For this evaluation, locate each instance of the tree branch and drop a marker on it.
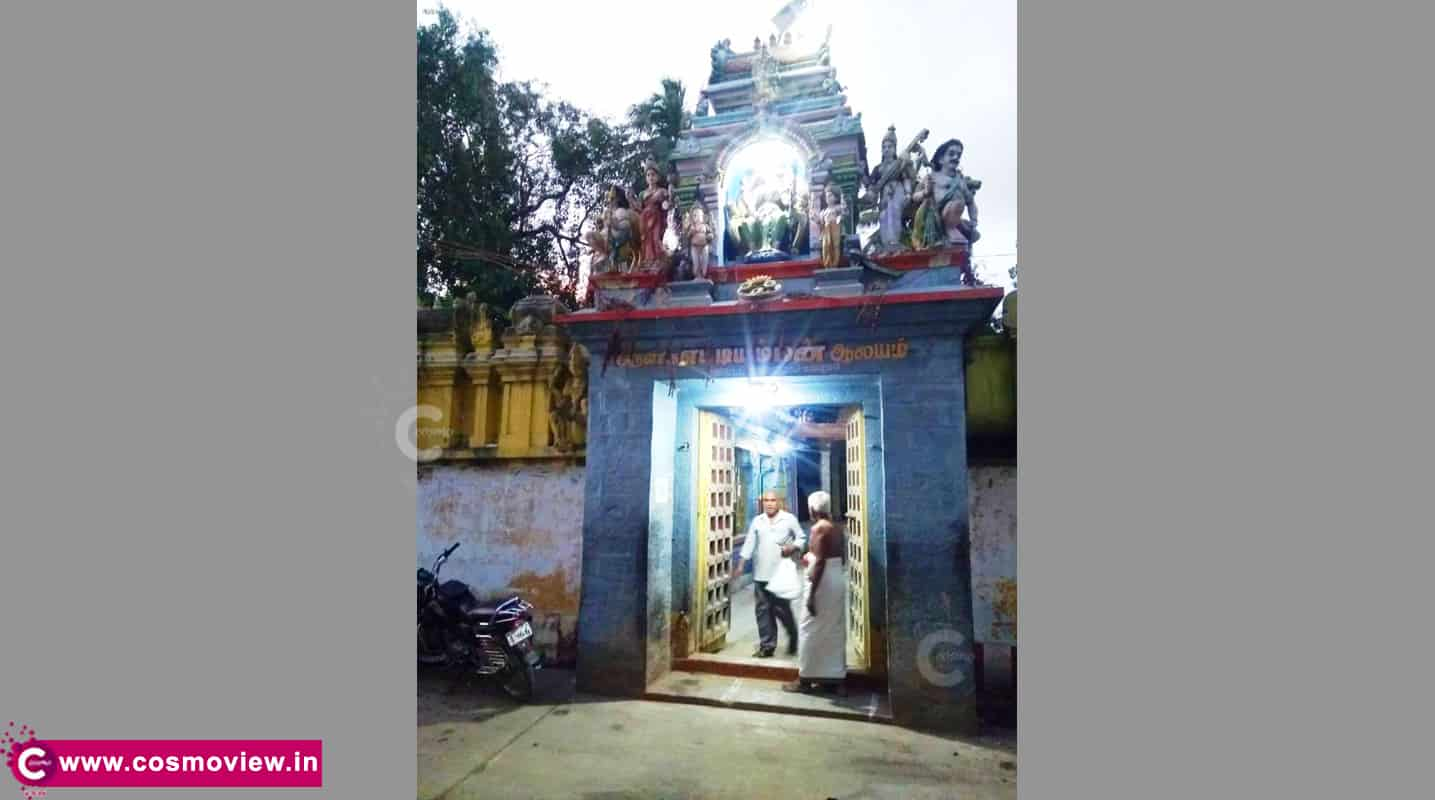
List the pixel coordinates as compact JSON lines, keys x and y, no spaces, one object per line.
{"x":551,"y":229}
{"x":558,"y":196}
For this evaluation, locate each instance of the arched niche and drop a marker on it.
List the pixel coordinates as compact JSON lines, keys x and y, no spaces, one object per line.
{"x":763,"y":188}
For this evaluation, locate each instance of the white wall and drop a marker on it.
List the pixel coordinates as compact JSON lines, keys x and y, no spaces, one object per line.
{"x":992,"y":516}
{"x":520,"y":527}
{"x":520,"y":524}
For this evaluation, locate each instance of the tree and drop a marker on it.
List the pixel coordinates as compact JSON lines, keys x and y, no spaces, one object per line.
{"x":465,"y":182}
{"x":565,"y":159}
{"x":657,"y":122}
{"x":508,"y":179}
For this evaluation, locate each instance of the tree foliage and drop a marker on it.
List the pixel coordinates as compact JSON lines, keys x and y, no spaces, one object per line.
{"x":656,"y":123}
{"x":509,"y":178}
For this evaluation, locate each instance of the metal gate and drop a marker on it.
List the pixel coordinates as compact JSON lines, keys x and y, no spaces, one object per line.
{"x":717,"y":497}
{"x":858,"y":624}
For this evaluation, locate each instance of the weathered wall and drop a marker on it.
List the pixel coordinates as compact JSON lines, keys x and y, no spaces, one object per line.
{"x":928,"y":538}
{"x":527,"y":518}
{"x":520,"y":525}
{"x":512,"y":489}
{"x":918,"y":561}
{"x":615,"y":610}
{"x":992,"y":512}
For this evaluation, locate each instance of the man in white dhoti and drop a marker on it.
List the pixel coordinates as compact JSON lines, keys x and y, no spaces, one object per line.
{"x":822,"y":628}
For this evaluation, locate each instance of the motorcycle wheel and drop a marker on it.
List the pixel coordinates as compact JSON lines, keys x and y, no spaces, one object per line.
{"x":518,"y":683}
{"x":426,"y":653}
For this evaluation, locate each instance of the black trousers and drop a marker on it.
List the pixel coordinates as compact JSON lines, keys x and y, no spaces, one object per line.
{"x":769,"y":606}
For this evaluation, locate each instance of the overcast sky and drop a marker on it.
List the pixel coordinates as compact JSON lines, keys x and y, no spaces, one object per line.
{"x":945,"y":65}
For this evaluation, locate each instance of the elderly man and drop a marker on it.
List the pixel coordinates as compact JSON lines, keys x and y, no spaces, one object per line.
{"x":773,"y":535}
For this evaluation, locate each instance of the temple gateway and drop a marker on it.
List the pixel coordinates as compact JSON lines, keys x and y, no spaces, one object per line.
{"x":773,"y":312}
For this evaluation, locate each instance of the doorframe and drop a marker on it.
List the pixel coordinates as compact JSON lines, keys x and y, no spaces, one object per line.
{"x":671,"y":565}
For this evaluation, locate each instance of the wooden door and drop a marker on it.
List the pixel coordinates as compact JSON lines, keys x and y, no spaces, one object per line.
{"x":714,"y":529}
{"x":858,"y":622}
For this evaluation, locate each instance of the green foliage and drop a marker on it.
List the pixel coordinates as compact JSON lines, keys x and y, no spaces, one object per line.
{"x":508,"y":179}
{"x":465,"y":182}
{"x":656,"y":124}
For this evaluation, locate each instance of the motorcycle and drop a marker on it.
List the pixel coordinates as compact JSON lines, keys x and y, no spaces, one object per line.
{"x":492,"y":638}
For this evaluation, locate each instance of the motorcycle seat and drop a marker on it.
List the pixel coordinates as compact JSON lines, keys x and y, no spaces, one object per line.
{"x":485,"y":607}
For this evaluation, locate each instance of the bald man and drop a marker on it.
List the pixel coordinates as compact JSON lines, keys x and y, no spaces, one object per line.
{"x":773,"y":535}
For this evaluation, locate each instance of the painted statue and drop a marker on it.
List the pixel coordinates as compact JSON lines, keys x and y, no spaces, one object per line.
{"x":742,"y":220}
{"x":577,"y":392}
{"x":830,"y":220}
{"x":721,"y":53}
{"x":558,"y":411}
{"x":699,"y":236}
{"x":767,"y":215}
{"x":892,"y":183}
{"x":654,"y":204}
{"x":946,"y":196}
{"x":615,"y":237}
{"x":568,"y":401}
{"x":764,"y":78}
{"x":481,"y":334}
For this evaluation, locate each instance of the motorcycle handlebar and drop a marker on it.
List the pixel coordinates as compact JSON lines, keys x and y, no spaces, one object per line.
{"x":442,"y":557}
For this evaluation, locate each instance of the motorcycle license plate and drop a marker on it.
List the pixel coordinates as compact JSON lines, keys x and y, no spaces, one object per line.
{"x":520,"y":633}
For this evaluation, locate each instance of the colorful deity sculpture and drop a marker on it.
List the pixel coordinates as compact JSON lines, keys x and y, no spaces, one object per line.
{"x":890,"y":188}
{"x":830,"y":220}
{"x":654,"y":203}
{"x":615,"y":238}
{"x":699,"y":236}
{"x":768,"y":216}
{"x":947,"y":214}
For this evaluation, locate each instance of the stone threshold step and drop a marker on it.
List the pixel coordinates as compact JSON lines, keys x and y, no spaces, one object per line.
{"x":758,"y":694}
{"x":764,"y":669}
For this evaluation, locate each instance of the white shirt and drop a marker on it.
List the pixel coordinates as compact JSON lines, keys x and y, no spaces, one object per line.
{"x":765,"y":536}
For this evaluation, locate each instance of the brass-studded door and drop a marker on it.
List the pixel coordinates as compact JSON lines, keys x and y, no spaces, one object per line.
{"x":858,"y":626}
{"x":717,"y":489}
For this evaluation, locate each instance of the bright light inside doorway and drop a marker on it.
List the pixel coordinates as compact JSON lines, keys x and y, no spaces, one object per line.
{"x":760,"y":396}
{"x":781,"y":446}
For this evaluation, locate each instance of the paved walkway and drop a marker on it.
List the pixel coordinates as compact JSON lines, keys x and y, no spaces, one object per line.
{"x":754,"y":694}
{"x":474,"y":743}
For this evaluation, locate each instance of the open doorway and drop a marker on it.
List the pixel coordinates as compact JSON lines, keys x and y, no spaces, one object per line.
{"x":793,"y":451}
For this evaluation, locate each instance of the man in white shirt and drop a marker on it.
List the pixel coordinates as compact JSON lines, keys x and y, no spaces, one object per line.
{"x":773,"y":535}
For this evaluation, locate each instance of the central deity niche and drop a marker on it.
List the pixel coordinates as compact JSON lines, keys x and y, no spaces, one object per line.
{"x":764,"y":203}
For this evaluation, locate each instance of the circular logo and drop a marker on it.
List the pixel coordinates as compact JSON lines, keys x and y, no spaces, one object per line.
{"x":409,"y":419}
{"x":940,"y":658}
{"x":34,"y":763}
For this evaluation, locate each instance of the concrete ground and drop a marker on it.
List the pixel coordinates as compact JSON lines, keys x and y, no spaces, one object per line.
{"x":758,"y":694}
{"x":475,"y":743}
